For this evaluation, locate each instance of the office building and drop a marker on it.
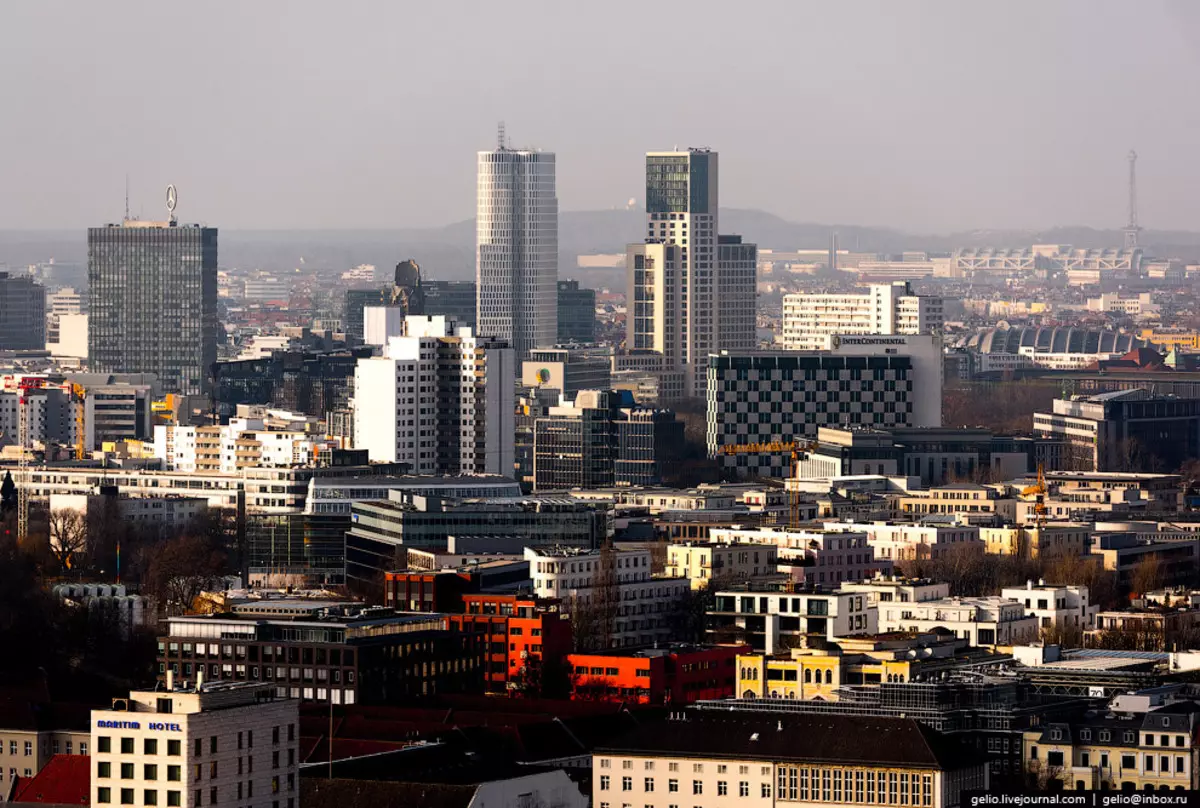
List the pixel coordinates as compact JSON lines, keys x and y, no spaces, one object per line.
{"x":763,"y":760}
{"x":568,"y":369}
{"x":597,"y":442}
{"x":453,"y":299}
{"x":1123,"y":431}
{"x":516,"y":258}
{"x":152,"y":292}
{"x":215,"y":744}
{"x":810,"y":320}
{"x":382,"y":530}
{"x":610,"y":594}
{"x":316,"y":382}
{"x":22,"y":314}
{"x":786,"y":397}
{"x":691,"y":291}
{"x":326,"y":651}
{"x":675,"y":674}
{"x":521,"y":638}
{"x":576,"y":313}
{"x":439,"y":399}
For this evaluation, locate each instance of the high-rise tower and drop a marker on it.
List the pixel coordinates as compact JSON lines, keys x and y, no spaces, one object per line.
{"x":516,"y":248}
{"x":1132,"y":229}
{"x":691,"y":291}
{"x":153,"y":301}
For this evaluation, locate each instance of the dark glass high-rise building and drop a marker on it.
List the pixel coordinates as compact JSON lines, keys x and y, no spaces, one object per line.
{"x":153,"y":302}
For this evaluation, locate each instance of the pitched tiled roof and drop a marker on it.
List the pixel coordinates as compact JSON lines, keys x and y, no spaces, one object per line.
{"x":64,"y":780}
{"x":835,"y":739}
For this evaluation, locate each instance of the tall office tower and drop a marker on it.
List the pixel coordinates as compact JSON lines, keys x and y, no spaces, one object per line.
{"x":576,"y":313}
{"x":22,"y":314}
{"x":516,"y":255}
{"x":455,"y":299}
{"x":152,"y":290}
{"x":439,"y":399}
{"x":692,"y":291}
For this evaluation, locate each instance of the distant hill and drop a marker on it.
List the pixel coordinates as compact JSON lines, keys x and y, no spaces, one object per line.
{"x":449,"y":252}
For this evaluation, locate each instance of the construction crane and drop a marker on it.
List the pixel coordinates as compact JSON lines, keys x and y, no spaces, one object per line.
{"x":80,"y":393}
{"x":791,"y":448}
{"x":1038,"y":492}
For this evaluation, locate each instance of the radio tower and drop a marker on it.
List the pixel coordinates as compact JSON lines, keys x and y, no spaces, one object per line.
{"x":1132,"y":229}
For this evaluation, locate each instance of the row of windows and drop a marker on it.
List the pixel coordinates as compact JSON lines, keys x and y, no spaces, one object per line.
{"x":648,"y":786}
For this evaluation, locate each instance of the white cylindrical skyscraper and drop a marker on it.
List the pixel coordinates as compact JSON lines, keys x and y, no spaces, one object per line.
{"x":516,"y":248}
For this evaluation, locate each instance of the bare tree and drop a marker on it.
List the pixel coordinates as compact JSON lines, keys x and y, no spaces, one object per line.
{"x":68,"y":537}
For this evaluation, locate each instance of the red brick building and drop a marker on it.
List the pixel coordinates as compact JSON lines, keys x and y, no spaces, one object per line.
{"x":678,"y":674}
{"x":523,"y":638}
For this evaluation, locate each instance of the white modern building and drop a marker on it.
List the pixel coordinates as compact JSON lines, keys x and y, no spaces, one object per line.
{"x":642,"y":604}
{"x":691,"y":291}
{"x":770,"y":621}
{"x":986,"y":621}
{"x":216,"y":744}
{"x":908,"y":541}
{"x":1058,"y":607}
{"x":439,"y":399}
{"x":809,"y":321}
{"x":516,"y":253}
{"x":894,"y":589}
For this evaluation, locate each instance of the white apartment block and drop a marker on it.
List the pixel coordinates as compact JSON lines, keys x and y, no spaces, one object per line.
{"x":893,"y":589}
{"x":907,"y":541}
{"x":1055,"y":606}
{"x":769,"y":621}
{"x":574,"y":576}
{"x":691,"y":291}
{"x":214,"y":745}
{"x":701,"y":563}
{"x":516,"y":252}
{"x":815,"y":557}
{"x":810,"y":321}
{"x":982,"y":621}
{"x":439,"y":399}
{"x":242,"y":443}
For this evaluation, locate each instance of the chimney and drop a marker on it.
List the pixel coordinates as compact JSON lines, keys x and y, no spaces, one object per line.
{"x":199,"y":678}
{"x":1041,"y":581}
{"x":170,"y":680}
{"x":1029,"y":583}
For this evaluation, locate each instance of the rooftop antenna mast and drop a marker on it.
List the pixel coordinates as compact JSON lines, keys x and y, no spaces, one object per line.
{"x":1132,"y":229}
{"x":501,"y":137}
{"x":127,"y":196}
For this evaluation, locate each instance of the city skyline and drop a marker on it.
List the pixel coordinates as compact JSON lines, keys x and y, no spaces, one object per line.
{"x":918,"y":119}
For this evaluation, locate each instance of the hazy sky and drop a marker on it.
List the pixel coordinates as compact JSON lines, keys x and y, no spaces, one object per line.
{"x":927,"y":116}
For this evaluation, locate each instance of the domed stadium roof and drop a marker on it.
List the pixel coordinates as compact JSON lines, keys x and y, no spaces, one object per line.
{"x":1064,"y":339}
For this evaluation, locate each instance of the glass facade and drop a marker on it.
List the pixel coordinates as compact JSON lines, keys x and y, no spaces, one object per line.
{"x":153,"y":302}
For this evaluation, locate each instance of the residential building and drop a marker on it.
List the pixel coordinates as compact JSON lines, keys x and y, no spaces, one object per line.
{"x":22,"y":313}
{"x":810,"y":321}
{"x":894,"y":589}
{"x":971,"y":499}
{"x":770,"y":759}
{"x":982,"y":621}
{"x":909,"y":541}
{"x":1128,"y":430}
{"x":608,"y":593}
{"x":691,"y":291}
{"x":195,"y":745}
{"x":576,"y":313}
{"x":516,"y":254}
{"x":152,"y":302}
{"x":326,"y":651}
{"x":439,"y":399}
{"x":568,"y":369}
{"x":674,"y":674}
{"x":1141,"y":743}
{"x":524,"y":641}
{"x":1037,"y":541}
{"x":455,"y":300}
{"x":34,"y":730}
{"x":64,"y":780}
{"x":1055,"y":607}
{"x":823,"y":558}
{"x":786,"y":397}
{"x":382,"y":529}
{"x":705,"y":562}
{"x":770,"y":621}
{"x":597,"y":442}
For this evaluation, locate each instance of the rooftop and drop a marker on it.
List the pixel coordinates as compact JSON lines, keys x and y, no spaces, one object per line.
{"x":64,"y":780}
{"x":836,"y":739}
